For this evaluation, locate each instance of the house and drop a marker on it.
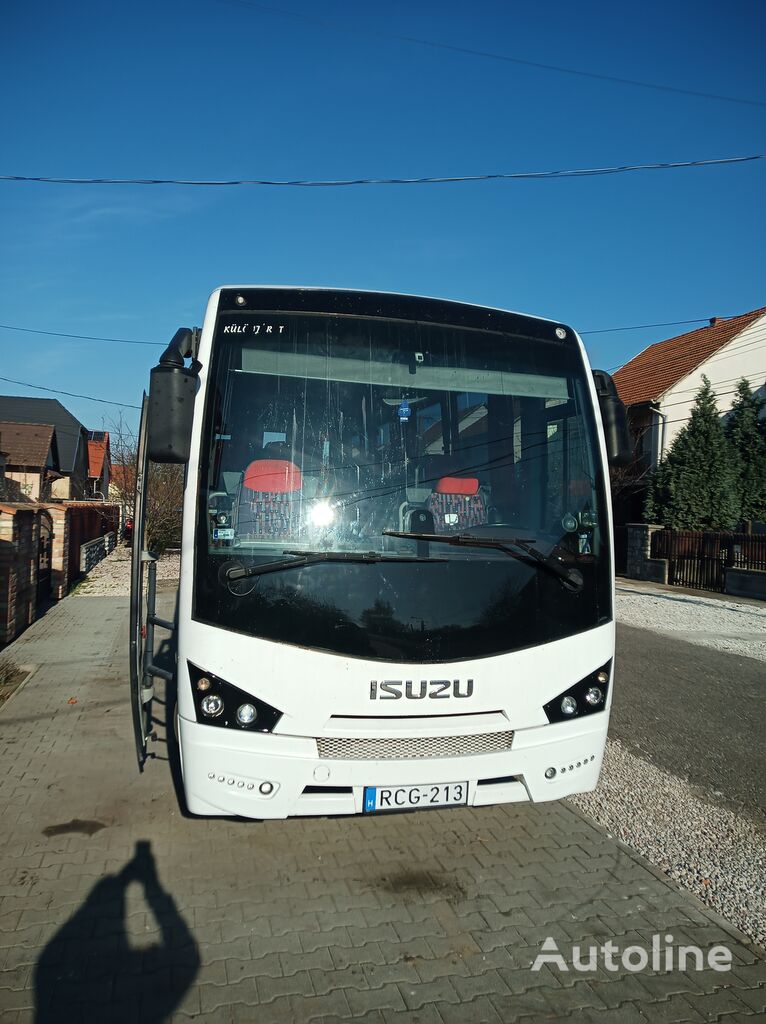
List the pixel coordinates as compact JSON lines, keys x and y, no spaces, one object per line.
{"x":99,"y":463}
{"x":71,"y":437}
{"x":31,"y":461}
{"x":122,"y":483}
{"x":659,"y":385}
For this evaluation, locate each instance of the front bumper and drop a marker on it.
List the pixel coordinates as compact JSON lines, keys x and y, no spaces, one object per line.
{"x":225,"y":770}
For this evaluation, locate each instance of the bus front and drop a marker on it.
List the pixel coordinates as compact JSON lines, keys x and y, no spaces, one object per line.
{"x":396,"y":580}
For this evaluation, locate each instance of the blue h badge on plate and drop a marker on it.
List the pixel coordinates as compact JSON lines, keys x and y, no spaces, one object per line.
{"x":369,"y":798}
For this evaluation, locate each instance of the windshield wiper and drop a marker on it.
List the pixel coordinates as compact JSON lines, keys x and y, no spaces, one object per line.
{"x":517,"y":547}
{"x":241,"y":572}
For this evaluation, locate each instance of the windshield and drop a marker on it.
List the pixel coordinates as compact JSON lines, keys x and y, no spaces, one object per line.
{"x":328,"y":434}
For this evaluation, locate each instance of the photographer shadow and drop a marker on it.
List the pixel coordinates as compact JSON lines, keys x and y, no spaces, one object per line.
{"x":90,"y":970}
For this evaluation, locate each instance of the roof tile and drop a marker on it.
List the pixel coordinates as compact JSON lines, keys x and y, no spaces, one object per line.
{"x":652,"y":372}
{"x":96,"y":453}
{"x":27,"y":444}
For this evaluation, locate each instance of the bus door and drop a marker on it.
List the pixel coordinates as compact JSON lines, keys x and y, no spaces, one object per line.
{"x":140,"y":693}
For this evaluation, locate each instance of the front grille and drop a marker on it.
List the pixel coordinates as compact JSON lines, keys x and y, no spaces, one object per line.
{"x":403,"y":748}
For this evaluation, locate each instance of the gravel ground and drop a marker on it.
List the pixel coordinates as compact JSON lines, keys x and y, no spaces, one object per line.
{"x":715,"y":852}
{"x":718,"y":855}
{"x":111,"y":577}
{"x":724,"y":625}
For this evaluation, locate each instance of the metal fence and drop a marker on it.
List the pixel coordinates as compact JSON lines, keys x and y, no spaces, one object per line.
{"x":698,"y":560}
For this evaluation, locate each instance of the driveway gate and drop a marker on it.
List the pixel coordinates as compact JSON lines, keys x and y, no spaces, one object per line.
{"x":698,"y":560}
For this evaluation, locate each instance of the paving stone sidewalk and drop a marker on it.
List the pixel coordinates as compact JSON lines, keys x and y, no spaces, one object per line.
{"x":116,"y":907}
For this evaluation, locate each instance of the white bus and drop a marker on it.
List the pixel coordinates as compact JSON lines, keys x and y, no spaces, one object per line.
{"x":397,"y":576}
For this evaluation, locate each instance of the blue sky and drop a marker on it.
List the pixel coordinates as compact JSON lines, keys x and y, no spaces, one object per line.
{"x":214,"y":88}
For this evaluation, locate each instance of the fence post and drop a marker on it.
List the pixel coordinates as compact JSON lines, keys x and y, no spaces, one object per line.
{"x":641,"y":565}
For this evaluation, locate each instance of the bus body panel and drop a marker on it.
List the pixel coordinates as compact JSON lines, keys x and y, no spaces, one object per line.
{"x":223,"y":773}
{"x":508,"y":690}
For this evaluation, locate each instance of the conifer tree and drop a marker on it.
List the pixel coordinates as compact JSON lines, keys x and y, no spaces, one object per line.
{"x":695,"y":485}
{"x":746,"y":438}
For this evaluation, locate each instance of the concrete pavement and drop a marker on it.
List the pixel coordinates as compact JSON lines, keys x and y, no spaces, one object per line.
{"x":115,"y":907}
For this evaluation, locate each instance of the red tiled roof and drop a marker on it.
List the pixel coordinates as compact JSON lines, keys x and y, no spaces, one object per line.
{"x":96,"y":454}
{"x":652,"y":372}
{"x":27,"y":444}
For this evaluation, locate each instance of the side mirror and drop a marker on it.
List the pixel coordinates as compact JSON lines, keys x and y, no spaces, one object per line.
{"x":619,"y":446}
{"x":172,"y":390}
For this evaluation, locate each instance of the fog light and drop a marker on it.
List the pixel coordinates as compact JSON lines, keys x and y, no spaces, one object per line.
{"x":203,"y":684}
{"x":594,"y":696}
{"x":211,"y":705}
{"x":550,"y":773}
{"x":266,"y":788}
{"x":246,"y":714}
{"x":569,"y":705}
{"x":602,"y":678}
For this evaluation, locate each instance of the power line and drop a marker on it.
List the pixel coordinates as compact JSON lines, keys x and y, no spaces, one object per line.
{"x":643,"y":327}
{"x":81,"y":337}
{"x":71,"y":394}
{"x":580,"y":172}
{"x":159,"y":344}
{"x":489,"y":55}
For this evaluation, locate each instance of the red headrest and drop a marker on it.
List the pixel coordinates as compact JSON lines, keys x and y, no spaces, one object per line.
{"x":457,"y":485}
{"x":277,"y":476}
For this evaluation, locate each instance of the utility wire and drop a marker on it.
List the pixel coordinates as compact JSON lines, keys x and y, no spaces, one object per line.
{"x":580,"y":172}
{"x":159,"y":344}
{"x":643,"y":327}
{"x":82,"y":337}
{"x":489,"y":55}
{"x":71,"y":394}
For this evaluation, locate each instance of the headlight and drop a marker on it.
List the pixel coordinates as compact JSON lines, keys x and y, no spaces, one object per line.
{"x":224,"y":705}
{"x":246,"y":714}
{"x":211,"y":705}
{"x":586,"y":697}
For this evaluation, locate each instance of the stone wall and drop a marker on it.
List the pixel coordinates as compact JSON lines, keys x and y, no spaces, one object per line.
{"x":20,"y":553}
{"x":93,"y":551}
{"x":19,"y":547}
{"x":60,"y":516}
{"x":745,"y":583}
{"x":641,"y":566}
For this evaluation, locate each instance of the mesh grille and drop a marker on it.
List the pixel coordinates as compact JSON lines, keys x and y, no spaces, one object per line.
{"x":412,"y":747}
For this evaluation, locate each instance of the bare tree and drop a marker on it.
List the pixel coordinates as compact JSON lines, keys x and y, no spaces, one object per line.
{"x":164,"y":490}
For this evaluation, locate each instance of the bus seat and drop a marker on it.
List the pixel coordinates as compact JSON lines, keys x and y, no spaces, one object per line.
{"x":456,"y":503}
{"x":267,"y":501}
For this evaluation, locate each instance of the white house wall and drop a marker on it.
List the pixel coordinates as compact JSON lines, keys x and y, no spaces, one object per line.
{"x":745,"y":356}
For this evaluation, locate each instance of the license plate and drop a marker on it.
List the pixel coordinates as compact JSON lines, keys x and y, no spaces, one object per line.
{"x":408,"y":798}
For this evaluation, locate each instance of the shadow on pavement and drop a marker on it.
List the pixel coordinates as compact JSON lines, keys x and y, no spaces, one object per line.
{"x":90,"y":970}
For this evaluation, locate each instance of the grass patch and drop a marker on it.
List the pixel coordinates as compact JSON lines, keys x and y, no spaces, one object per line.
{"x":10,"y":677}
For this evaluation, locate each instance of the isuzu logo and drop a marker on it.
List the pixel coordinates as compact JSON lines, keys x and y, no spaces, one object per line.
{"x":435,"y":689}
